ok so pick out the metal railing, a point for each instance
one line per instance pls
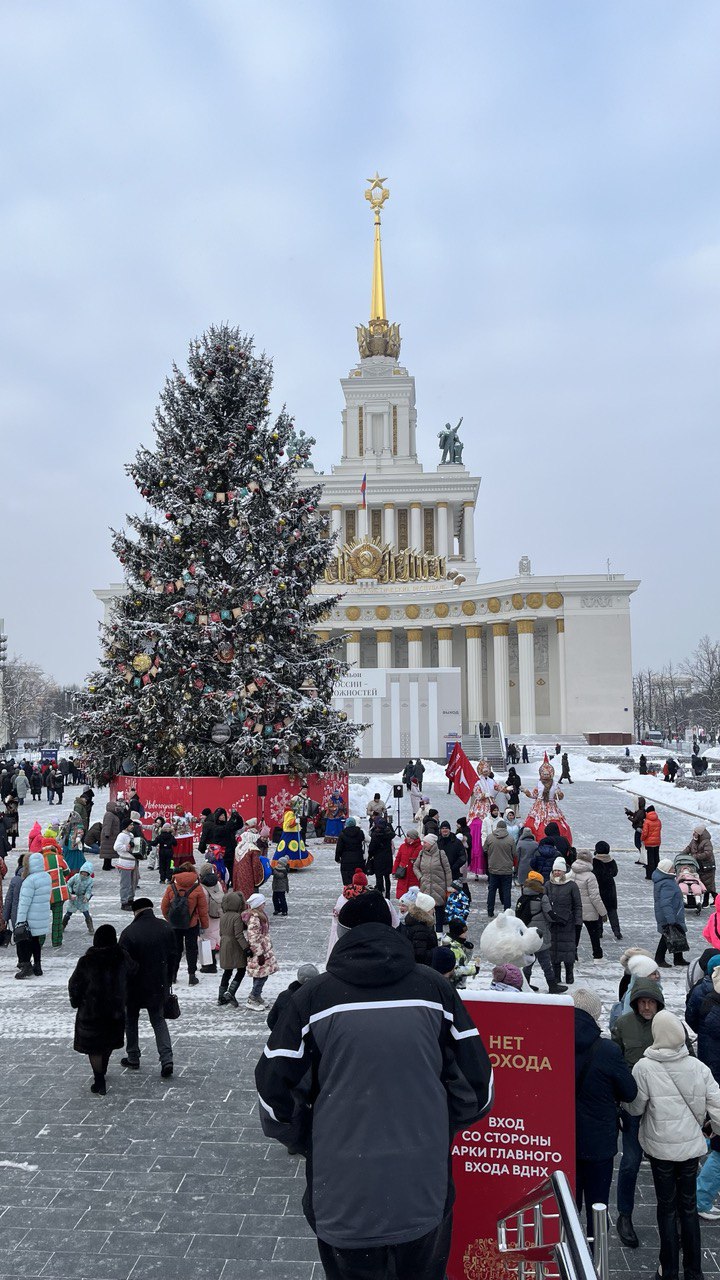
(540, 1237)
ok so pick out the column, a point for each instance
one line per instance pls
(416, 538)
(384, 648)
(353, 648)
(336, 518)
(415, 653)
(473, 638)
(469, 532)
(501, 661)
(389, 524)
(560, 624)
(526, 673)
(442, 529)
(444, 635)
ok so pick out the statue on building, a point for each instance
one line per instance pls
(525, 567)
(452, 447)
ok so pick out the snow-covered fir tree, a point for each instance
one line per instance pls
(213, 637)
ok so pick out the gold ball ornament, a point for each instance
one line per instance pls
(233, 522)
(179, 749)
(142, 663)
(176, 537)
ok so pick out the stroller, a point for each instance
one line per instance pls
(687, 873)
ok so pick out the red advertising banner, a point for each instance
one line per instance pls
(530, 1132)
(161, 795)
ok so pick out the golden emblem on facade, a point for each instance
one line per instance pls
(553, 600)
(534, 600)
(494, 604)
(369, 559)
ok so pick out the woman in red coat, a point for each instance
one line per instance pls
(248, 872)
(651, 836)
(405, 858)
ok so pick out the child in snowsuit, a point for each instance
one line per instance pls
(280, 886)
(462, 948)
(166, 843)
(80, 889)
(457, 906)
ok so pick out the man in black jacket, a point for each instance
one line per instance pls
(453, 849)
(327, 1085)
(151, 944)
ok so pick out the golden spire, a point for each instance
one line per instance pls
(379, 338)
(377, 194)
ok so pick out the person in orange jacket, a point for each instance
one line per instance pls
(57, 868)
(651, 836)
(184, 906)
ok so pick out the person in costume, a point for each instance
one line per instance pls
(483, 795)
(545, 806)
(291, 845)
(336, 815)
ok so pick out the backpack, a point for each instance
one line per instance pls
(523, 910)
(178, 912)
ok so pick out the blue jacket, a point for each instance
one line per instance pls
(608, 1081)
(702, 1013)
(543, 858)
(669, 906)
(34, 901)
(81, 889)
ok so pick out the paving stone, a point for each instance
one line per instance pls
(169, 1244)
(85, 1266)
(295, 1249)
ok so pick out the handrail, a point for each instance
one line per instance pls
(530, 1255)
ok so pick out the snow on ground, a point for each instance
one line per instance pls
(703, 804)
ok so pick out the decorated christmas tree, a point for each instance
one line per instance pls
(211, 663)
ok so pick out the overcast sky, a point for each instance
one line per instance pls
(552, 253)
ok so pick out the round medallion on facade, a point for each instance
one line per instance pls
(517, 601)
(366, 560)
(494, 604)
(442, 610)
(412, 611)
(353, 613)
(382, 611)
(468, 608)
(553, 600)
(534, 600)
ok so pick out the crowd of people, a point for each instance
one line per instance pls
(407, 905)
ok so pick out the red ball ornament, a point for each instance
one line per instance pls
(249, 427)
(275, 573)
(168, 515)
(138, 746)
(193, 666)
(308, 742)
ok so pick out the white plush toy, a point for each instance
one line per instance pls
(506, 940)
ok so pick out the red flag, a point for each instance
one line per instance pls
(461, 774)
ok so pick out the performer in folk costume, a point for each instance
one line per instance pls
(546, 808)
(336, 815)
(292, 846)
(483, 795)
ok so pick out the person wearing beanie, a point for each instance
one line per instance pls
(380, 853)
(669, 915)
(526, 849)
(454, 850)
(305, 973)
(403, 867)
(80, 891)
(442, 960)
(675, 1094)
(280, 886)
(533, 908)
(462, 948)
(545, 857)
(433, 872)
(457, 907)
(261, 962)
(407, 900)
(605, 870)
(151, 944)
(593, 908)
(184, 906)
(350, 850)
(373, 1018)
(499, 851)
(651, 836)
(632, 1033)
(506, 977)
(565, 919)
(418, 926)
(697, 968)
(603, 1081)
(98, 989)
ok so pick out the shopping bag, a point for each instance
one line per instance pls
(205, 951)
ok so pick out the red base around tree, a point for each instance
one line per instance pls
(161, 795)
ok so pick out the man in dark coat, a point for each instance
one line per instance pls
(419, 772)
(150, 942)
(222, 830)
(602, 1080)
(373, 1010)
(453, 849)
(380, 854)
(350, 850)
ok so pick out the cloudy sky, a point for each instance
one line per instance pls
(552, 252)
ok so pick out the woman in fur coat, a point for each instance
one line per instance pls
(98, 990)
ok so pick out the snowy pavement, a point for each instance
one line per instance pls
(179, 1170)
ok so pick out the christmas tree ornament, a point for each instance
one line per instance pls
(142, 662)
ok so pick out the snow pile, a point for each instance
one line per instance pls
(584, 770)
(703, 804)
(360, 794)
